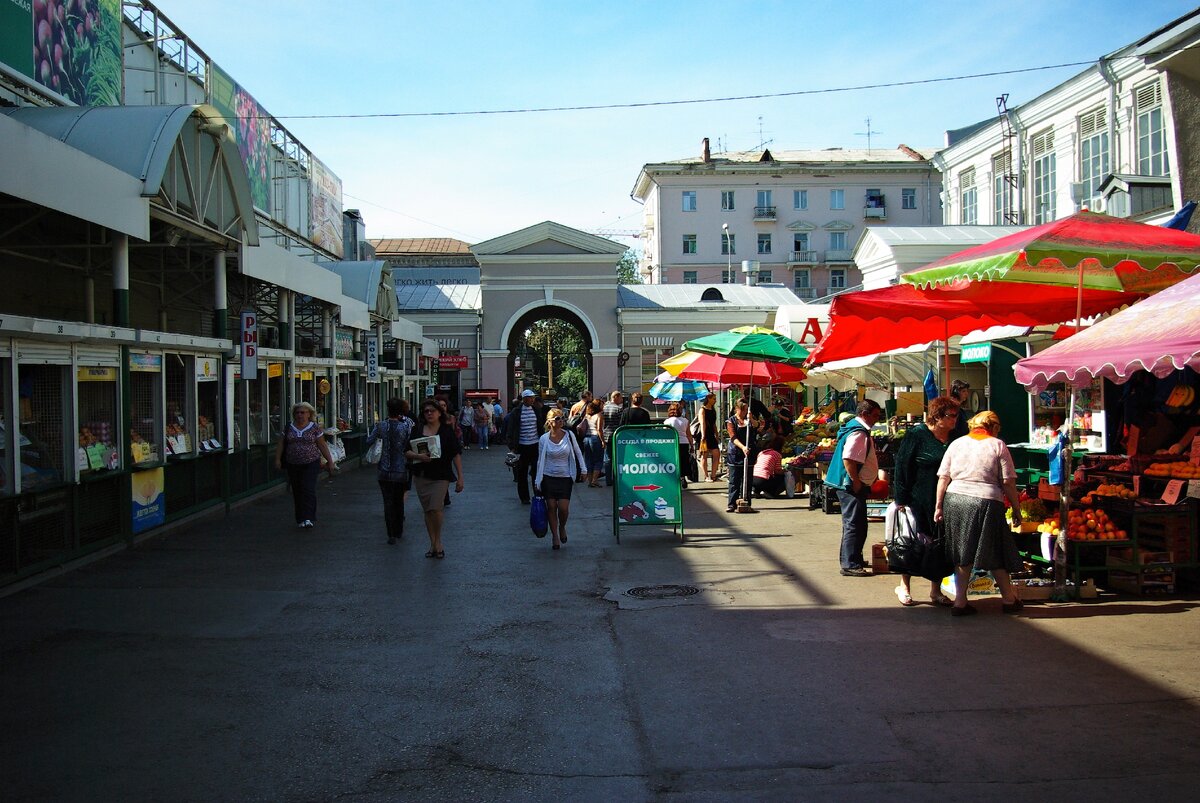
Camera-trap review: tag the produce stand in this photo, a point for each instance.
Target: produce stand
(819, 494)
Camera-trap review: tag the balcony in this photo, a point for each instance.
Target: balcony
(804, 258)
(808, 293)
(875, 208)
(840, 255)
(764, 213)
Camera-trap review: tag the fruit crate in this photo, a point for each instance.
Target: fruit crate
(1147, 582)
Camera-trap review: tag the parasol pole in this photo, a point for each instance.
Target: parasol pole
(1064, 504)
(946, 355)
(746, 494)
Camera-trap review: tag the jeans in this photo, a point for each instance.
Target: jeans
(735, 475)
(526, 469)
(481, 435)
(593, 453)
(854, 526)
(303, 479)
(393, 506)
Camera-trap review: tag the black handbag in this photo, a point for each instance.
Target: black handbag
(910, 552)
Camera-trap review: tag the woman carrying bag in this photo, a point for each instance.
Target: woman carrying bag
(300, 451)
(560, 464)
(432, 475)
(392, 434)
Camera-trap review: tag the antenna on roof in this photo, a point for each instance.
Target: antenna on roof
(762, 143)
(868, 134)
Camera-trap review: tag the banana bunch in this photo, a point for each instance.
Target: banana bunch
(1181, 398)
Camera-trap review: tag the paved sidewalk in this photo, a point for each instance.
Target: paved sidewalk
(242, 659)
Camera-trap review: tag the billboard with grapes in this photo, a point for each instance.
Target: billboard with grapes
(72, 47)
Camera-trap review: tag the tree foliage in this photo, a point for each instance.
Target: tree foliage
(627, 268)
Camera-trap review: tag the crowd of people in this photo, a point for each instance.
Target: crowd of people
(952, 473)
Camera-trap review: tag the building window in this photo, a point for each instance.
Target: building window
(689, 277)
(727, 277)
(800, 242)
(837, 279)
(908, 198)
(689, 243)
(689, 200)
(837, 199)
(1002, 189)
(765, 277)
(1043, 178)
(802, 279)
(837, 241)
(763, 199)
(1151, 135)
(727, 200)
(764, 243)
(728, 244)
(800, 199)
(650, 360)
(968, 214)
(1093, 154)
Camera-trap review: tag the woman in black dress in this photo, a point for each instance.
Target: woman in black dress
(710, 443)
(915, 480)
(432, 475)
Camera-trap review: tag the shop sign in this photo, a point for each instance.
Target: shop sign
(149, 502)
(304, 376)
(92, 374)
(372, 359)
(151, 363)
(452, 362)
(976, 352)
(274, 370)
(249, 344)
(206, 369)
(343, 344)
(648, 487)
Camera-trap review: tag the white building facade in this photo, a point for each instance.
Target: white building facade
(798, 214)
(1110, 139)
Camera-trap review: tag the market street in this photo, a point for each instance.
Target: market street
(241, 659)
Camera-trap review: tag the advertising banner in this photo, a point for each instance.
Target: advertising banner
(325, 209)
(251, 129)
(206, 369)
(151, 363)
(249, 344)
(372, 359)
(71, 48)
(149, 504)
(646, 467)
(452, 362)
(343, 344)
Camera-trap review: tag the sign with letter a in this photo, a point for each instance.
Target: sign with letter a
(249, 344)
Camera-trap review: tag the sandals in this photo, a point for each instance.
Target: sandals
(965, 610)
(941, 599)
(439, 554)
(905, 598)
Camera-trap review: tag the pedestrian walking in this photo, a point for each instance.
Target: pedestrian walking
(915, 481)
(301, 449)
(593, 442)
(523, 431)
(393, 475)
(432, 475)
(466, 424)
(710, 442)
(483, 424)
(635, 413)
(975, 476)
(852, 470)
(612, 419)
(676, 420)
(560, 464)
(497, 416)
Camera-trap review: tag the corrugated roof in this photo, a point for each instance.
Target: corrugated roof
(828, 156)
(424, 246)
(687, 296)
(437, 289)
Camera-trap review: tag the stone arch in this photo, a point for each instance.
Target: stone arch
(540, 310)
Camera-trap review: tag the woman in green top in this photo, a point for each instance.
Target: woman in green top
(915, 479)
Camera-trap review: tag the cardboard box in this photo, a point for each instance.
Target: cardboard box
(879, 564)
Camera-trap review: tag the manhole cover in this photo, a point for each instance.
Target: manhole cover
(662, 592)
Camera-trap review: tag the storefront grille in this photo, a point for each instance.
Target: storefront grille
(99, 509)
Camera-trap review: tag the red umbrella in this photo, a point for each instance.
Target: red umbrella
(874, 321)
(728, 370)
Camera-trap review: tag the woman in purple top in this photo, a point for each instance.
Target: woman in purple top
(300, 451)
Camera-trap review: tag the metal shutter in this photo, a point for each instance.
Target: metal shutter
(97, 355)
(40, 352)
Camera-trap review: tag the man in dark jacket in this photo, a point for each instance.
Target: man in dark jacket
(525, 426)
(636, 414)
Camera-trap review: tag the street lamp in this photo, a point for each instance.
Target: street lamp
(728, 254)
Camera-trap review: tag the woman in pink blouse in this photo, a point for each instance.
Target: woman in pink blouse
(301, 450)
(976, 474)
(768, 470)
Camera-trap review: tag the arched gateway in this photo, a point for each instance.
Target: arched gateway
(548, 271)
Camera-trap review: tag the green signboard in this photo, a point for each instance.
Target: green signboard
(976, 352)
(647, 487)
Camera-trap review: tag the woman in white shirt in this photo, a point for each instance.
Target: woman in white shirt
(976, 474)
(676, 419)
(560, 464)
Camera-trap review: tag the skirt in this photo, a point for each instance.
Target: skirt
(977, 534)
(432, 493)
(557, 487)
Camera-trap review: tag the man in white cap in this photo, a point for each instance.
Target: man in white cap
(525, 425)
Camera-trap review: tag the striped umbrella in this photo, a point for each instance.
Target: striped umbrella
(676, 390)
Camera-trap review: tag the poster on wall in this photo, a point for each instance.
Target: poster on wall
(251, 130)
(325, 208)
(72, 48)
(149, 504)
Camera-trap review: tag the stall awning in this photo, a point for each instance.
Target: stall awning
(281, 267)
(42, 170)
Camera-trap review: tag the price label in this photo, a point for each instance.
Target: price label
(1173, 490)
(1194, 489)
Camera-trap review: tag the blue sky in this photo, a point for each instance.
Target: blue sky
(477, 177)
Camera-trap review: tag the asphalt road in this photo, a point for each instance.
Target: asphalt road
(241, 659)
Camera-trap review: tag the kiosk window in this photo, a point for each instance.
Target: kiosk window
(180, 373)
(276, 398)
(208, 413)
(257, 390)
(6, 483)
(97, 400)
(145, 403)
(40, 441)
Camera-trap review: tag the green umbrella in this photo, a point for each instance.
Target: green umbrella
(754, 344)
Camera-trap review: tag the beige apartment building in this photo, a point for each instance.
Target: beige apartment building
(797, 214)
